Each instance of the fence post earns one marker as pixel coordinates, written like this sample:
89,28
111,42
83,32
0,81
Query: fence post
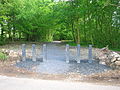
33,52
90,54
67,53
78,53
23,52
44,52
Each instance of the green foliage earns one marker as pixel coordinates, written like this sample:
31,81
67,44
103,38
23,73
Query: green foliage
115,49
93,22
83,21
2,42
3,56
72,43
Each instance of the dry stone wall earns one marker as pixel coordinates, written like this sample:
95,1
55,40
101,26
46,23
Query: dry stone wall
108,57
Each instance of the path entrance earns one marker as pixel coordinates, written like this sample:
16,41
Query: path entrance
56,62
56,51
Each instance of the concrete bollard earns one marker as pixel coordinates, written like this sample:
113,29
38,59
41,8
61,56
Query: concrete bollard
90,57
44,52
67,53
33,52
23,52
78,53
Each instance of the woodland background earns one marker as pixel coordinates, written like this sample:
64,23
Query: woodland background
83,22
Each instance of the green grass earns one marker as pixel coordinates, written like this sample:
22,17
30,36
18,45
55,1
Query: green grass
71,43
3,56
66,41
75,44
115,49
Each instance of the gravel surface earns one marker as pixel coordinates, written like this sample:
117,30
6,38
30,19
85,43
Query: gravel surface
56,64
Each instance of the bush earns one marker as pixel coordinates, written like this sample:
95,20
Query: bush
3,56
2,41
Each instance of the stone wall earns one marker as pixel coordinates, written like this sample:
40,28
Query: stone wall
108,57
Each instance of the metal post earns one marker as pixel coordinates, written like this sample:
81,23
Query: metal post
44,52
90,57
67,53
33,52
23,52
40,53
78,53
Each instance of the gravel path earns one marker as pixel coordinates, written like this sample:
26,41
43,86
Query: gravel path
56,64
